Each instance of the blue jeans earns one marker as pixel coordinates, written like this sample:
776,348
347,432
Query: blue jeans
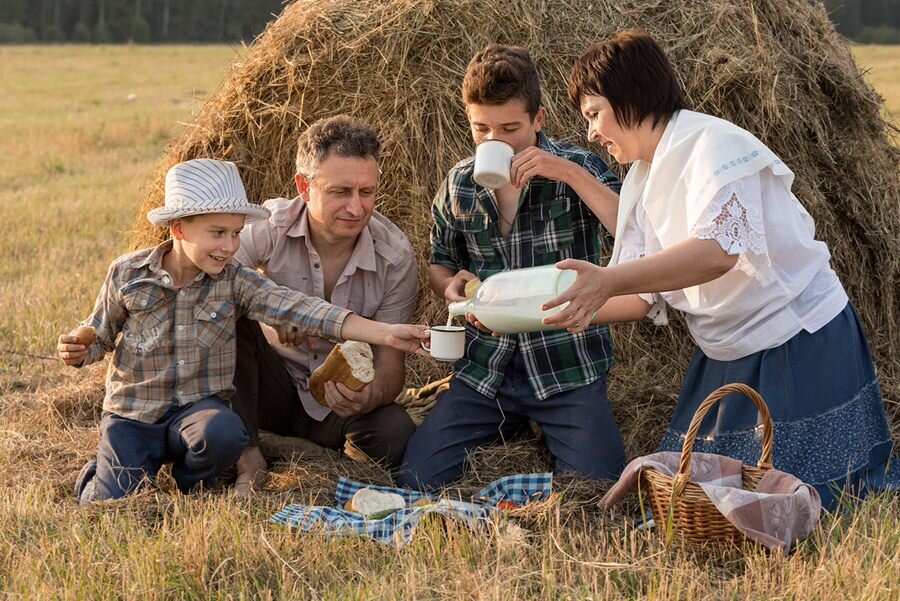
201,439
578,426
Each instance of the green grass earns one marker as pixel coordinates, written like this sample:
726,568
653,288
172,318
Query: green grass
83,129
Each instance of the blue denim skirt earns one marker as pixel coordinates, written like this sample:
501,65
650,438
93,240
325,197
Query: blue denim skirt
830,427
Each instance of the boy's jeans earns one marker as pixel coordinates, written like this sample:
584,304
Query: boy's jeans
578,427
202,439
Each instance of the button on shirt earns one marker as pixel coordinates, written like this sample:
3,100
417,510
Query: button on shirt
177,346
380,280
552,223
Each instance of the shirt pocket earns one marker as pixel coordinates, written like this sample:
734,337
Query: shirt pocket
147,326
475,229
215,323
553,227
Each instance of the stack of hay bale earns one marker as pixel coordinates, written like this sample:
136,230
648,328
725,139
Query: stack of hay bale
776,68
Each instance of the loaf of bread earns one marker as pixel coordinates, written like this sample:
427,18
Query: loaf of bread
349,363
371,502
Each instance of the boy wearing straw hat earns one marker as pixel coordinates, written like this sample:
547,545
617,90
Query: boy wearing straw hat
168,315
555,205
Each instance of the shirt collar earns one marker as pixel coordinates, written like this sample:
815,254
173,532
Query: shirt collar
153,261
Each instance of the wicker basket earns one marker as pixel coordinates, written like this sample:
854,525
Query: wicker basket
680,507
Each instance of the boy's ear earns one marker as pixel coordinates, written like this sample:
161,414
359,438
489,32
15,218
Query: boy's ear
539,118
302,184
176,228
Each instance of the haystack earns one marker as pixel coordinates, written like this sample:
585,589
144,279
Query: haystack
776,68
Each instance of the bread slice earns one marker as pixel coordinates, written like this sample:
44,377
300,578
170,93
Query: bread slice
349,363
369,501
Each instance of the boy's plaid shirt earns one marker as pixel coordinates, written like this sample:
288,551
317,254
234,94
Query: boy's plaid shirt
552,224
177,346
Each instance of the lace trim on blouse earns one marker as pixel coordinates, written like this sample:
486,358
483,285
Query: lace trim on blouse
734,219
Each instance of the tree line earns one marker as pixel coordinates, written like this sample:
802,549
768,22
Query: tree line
138,21
161,21
866,21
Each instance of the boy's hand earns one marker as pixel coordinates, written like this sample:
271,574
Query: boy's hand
70,351
407,338
533,161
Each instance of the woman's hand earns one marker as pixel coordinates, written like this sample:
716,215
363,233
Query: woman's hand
585,296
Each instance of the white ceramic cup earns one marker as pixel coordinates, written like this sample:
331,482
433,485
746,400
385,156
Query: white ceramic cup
492,162
448,343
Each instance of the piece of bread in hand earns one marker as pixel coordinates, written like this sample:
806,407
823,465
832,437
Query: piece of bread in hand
472,287
369,501
349,363
85,335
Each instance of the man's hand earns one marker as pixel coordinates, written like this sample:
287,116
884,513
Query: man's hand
70,351
585,296
533,161
293,337
346,402
456,288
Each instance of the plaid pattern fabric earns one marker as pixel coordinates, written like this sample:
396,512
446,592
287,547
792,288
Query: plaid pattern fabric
399,527
552,224
177,346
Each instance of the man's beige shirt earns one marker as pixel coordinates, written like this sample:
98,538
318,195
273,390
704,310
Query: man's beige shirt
380,281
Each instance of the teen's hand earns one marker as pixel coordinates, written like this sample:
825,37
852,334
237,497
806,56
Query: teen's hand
68,349
456,289
585,296
533,161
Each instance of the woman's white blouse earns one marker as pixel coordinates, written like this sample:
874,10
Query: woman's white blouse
782,282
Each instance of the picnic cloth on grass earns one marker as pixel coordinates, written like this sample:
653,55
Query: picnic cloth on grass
781,510
399,527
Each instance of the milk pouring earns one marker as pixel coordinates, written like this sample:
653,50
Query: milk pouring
509,302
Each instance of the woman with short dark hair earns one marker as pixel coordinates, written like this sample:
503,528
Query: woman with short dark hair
708,225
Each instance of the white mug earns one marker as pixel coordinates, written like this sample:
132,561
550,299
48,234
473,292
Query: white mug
493,159
448,343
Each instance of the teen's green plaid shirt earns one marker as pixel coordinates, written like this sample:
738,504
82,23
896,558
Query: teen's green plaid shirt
552,224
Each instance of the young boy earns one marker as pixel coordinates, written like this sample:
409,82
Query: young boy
168,313
552,210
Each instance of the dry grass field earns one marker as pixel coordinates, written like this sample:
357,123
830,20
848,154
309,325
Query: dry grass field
83,127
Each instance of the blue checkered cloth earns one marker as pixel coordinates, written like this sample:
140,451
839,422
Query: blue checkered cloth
398,528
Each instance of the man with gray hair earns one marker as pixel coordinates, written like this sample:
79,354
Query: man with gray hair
330,243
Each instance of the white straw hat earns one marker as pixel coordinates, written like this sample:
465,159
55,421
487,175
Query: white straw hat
204,186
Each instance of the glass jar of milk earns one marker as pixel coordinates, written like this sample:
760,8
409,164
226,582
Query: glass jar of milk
509,302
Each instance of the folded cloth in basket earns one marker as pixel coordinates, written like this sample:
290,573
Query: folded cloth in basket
781,510
399,526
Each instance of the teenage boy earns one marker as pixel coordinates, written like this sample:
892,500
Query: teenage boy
168,314
330,243
559,198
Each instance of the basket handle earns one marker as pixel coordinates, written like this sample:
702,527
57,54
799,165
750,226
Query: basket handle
765,460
